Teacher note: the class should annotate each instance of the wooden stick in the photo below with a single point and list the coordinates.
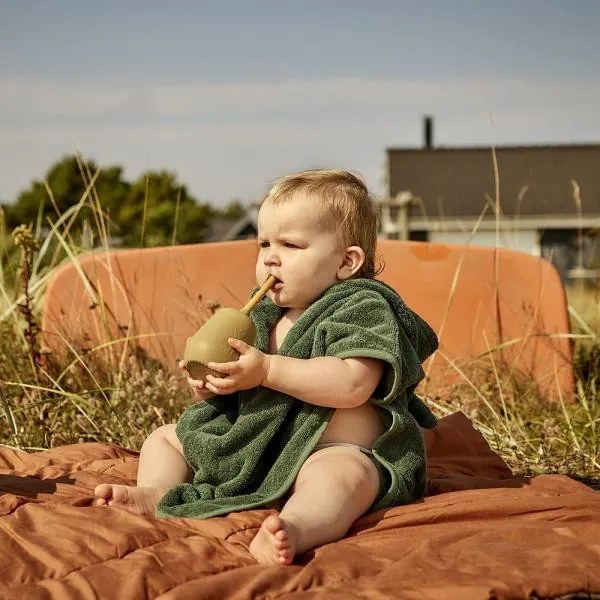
(264, 288)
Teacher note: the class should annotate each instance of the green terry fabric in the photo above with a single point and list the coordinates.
(247, 448)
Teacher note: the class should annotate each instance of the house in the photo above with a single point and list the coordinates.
(543, 200)
(226, 230)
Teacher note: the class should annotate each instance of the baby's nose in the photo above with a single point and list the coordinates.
(271, 258)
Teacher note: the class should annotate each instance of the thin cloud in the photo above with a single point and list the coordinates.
(227, 140)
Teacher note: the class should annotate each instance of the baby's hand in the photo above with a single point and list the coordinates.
(197, 385)
(247, 372)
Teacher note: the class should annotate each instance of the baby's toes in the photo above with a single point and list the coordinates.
(282, 544)
(102, 494)
(103, 490)
(280, 535)
(120, 495)
(273, 525)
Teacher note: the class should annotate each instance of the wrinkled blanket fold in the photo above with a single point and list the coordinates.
(247, 448)
(479, 533)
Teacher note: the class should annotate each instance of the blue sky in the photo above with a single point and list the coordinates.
(232, 94)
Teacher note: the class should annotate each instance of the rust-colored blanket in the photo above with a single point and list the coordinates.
(479, 533)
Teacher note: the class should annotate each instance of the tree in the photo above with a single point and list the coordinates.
(159, 211)
(67, 181)
(154, 210)
(234, 210)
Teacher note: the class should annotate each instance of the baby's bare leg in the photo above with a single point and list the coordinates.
(161, 466)
(334, 487)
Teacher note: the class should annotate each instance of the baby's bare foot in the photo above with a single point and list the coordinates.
(139, 500)
(273, 544)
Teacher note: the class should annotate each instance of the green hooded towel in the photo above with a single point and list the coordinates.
(247, 448)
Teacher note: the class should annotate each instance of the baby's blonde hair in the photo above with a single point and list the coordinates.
(348, 209)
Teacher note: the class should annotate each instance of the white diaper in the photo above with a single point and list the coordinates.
(345, 445)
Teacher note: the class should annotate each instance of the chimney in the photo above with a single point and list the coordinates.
(428, 132)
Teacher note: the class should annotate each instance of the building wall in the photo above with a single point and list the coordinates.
(523, 241)
(532, 180)
(547, 196)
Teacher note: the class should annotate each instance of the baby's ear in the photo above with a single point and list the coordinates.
(352, 261)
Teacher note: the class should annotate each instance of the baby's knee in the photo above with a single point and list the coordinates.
(164, 433)
(351, 468)
(358, 471)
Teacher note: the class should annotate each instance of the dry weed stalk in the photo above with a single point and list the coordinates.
(24, 239)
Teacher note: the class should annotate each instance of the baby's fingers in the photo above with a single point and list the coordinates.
(220, 385)
(203, 393)
(195, 383)
(228, 368)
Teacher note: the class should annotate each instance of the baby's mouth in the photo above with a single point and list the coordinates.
(277, 285)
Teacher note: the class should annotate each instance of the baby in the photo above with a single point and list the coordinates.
(316, 230)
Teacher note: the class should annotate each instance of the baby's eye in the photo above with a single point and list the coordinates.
(290, 245)
(263, 244)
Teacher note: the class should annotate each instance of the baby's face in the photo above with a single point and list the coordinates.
(302, 254)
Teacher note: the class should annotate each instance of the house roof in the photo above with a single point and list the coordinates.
(221, 230)
(534, 180)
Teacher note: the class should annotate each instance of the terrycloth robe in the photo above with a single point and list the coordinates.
(247, 448)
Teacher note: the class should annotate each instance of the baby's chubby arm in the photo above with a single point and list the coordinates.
(327, 380)
(323, 381)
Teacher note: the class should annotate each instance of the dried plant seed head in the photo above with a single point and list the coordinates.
(24, 238)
